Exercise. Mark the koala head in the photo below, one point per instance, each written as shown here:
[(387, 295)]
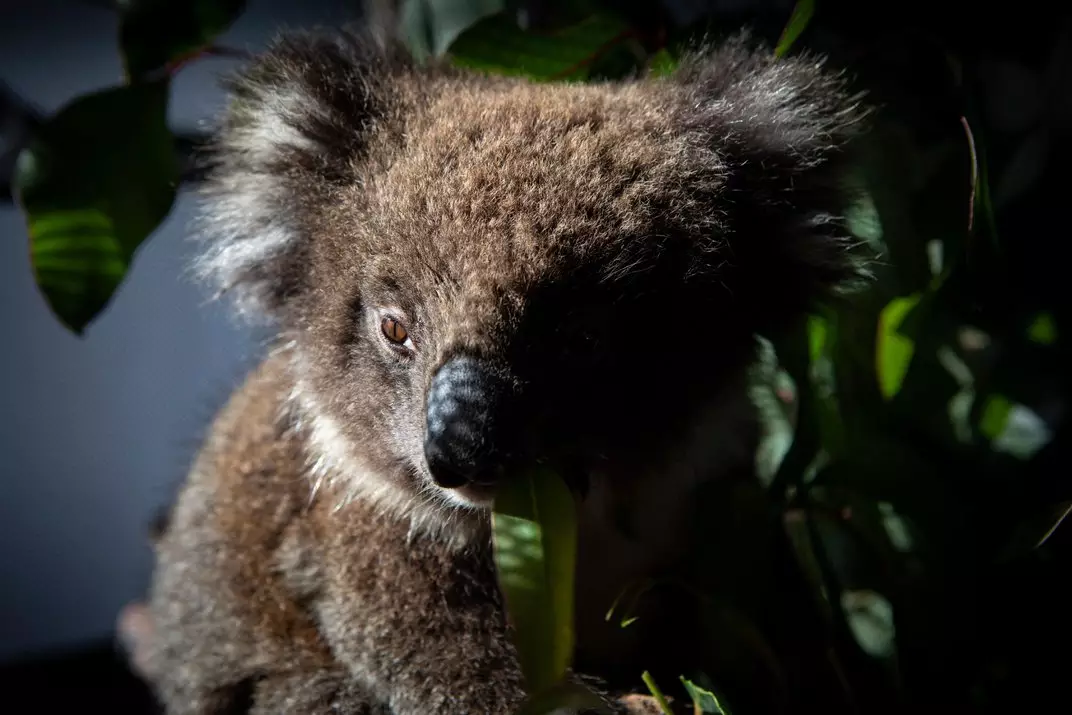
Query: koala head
[(472, 274)]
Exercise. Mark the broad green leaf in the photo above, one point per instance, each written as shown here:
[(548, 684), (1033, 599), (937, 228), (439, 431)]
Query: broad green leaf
[(499, 46), (893, 351), (798, 22), (563, 696), (154, 33), (535, 540), (1042, 329), (429, 27), (96, 180), (704, 700)]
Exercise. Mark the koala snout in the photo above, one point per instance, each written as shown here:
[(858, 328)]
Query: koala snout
[(463, 404)]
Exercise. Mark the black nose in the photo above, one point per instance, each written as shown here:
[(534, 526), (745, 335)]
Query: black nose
[(463, 400)]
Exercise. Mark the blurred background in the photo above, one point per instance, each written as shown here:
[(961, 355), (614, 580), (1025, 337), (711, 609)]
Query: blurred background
[(98, 428)]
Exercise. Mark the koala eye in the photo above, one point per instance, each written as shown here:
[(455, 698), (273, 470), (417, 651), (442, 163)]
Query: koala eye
[(394, 331)]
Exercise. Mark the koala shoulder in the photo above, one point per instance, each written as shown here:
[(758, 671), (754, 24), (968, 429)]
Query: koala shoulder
[(231, 562)]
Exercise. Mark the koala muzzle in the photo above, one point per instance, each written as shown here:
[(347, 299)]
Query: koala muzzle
[(463, 401)]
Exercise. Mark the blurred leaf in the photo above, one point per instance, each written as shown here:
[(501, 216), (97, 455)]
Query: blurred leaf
[(534, 538), (96, 180), (995, 415), (429, 27), (870, 618), (864, 221), (896, 530), (154, 33), (893, 351), (1042, 329), (1022, 433), (565, 695), (662, 63), (498, 45), (704, 700), (798, 22)]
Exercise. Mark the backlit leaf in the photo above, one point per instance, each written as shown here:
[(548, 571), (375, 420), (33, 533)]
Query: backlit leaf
[(893, 353), (704, 700), (798, 22), (97, 179), (534, 538)]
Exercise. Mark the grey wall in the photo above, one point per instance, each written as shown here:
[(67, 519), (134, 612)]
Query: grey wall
[(96, 432)]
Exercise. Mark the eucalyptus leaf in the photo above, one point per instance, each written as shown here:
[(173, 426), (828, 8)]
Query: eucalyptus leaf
[(894, 351), (498, 45), (798, 22), (704, 700), (534, 532), (1042, 329), (95, 182), (153, 33)]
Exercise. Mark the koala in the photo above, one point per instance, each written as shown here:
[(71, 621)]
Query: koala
[(467, 275)]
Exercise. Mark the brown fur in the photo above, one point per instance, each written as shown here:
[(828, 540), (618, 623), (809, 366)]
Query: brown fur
[(590, 245)]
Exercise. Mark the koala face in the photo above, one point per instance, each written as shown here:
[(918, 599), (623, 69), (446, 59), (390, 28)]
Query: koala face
[(476, 274)]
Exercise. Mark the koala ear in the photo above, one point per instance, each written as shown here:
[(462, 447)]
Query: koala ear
[(776, 135), (299, 120)]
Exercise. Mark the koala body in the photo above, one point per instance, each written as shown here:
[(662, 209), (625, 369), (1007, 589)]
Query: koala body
[(470, 275)]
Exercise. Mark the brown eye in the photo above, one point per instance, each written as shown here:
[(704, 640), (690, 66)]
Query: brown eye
[(394, 331)]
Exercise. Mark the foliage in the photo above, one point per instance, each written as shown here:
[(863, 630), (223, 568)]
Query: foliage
[(101, 174), (904, 549)]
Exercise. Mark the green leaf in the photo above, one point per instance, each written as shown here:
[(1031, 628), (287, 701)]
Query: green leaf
[(798, 22), (563, 696), (534, 533), (662, 63), (499, 46), (1042, 329), (893, 351), (429, 27), (96, 180), (704, 700), (154, 33), (995, 415)]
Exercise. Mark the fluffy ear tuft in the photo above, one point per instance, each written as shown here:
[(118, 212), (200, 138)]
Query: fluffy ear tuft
[(778, 133), (299, 120)]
